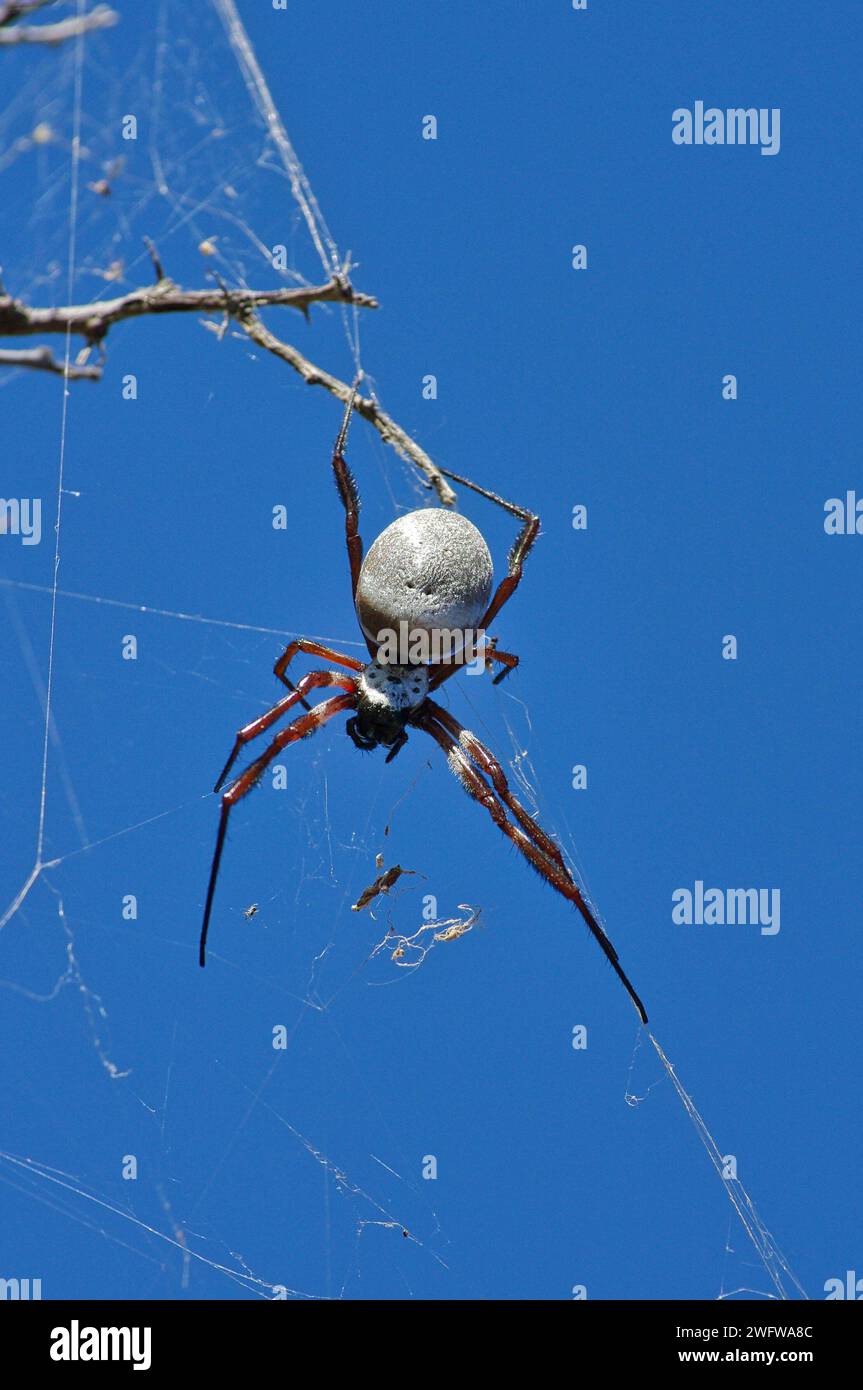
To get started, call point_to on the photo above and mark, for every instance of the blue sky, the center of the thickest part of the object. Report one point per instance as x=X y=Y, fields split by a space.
x=556 y=387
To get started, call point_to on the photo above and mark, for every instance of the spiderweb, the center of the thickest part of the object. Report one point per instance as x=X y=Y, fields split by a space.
x=265 y=1128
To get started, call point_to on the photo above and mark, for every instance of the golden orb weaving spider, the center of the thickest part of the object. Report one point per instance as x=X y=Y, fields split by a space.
x=428 y=572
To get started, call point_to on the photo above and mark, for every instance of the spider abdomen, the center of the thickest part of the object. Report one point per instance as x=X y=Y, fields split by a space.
x=430 y=569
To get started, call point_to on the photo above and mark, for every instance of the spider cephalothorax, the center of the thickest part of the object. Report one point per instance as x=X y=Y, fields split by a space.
x=386 y=698
x=424 y=601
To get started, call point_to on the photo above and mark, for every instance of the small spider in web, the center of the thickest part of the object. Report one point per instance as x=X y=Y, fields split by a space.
x=429 y=571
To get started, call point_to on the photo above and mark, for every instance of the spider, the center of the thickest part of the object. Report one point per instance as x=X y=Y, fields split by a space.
x=431 y=570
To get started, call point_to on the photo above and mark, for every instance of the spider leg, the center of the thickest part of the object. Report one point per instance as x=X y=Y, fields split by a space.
x=488 y=763
x=313 y=681
x=350 y=499
x=560 y=879
x=300 y=728
x=505 y=659
x=349 y=494
x=305 y=644
x=517 y=556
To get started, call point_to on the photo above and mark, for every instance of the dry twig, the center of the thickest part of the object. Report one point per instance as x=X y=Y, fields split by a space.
x=17 y=9
x=101 y=18
x=389 y=431
x=93 y=321
x=43 y=359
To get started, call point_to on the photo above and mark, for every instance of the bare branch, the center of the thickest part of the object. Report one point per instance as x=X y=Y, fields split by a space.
x=43 y=359
x=389 y=431
x=100 y=18
x=92 y=321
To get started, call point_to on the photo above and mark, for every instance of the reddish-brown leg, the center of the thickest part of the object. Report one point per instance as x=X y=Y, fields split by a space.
x=489 y=764
x=477 y=787
x=315 y=680
x=300 y=728
x=305 y=644
x=349 y=493
x=347 y=490
x=443 y=670
x=505 y=659
x=508 y=585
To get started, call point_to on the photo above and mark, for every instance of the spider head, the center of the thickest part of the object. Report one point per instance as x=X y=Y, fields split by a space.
x=386 y=698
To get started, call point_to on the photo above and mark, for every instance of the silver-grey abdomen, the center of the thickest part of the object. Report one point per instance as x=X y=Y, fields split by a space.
x=431 y=569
